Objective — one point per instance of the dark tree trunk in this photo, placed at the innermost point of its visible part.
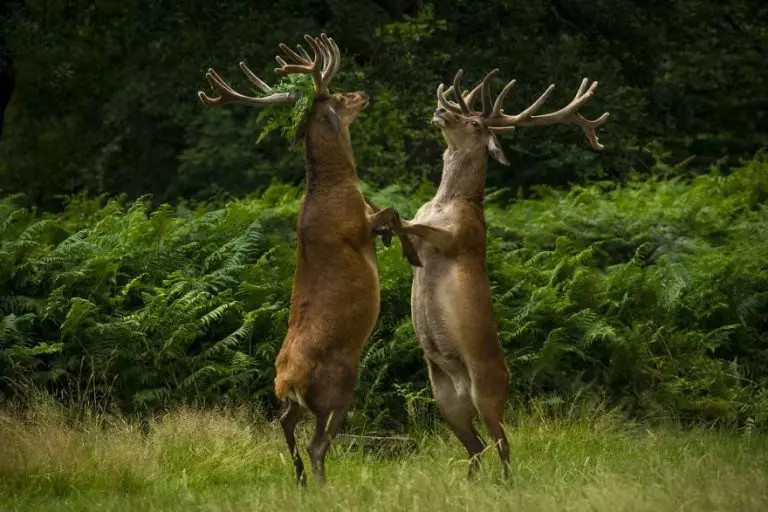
(7, 69)
(321, 12)
(7, 84)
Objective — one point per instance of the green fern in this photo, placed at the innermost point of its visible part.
(287, 118)
(651, 296)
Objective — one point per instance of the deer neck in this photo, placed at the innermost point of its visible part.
(463, 176)
(329, 156)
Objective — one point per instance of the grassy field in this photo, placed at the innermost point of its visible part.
(214, 461)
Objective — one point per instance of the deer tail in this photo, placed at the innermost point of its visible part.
(292, 381)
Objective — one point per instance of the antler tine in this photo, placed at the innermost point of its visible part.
(326, 52)
(443, 100)
(498, 120)
(331, 58)
(316, 51)
(337, 54)
(457, 93)
(305, 60)
(583, 85)
(569, 115)
(525, 114)
(446, 96)
(254, 79)
(228, 95)
(307, 66)
(286, 69)
(304, 54)
(486, 94)
(590, 126)
(469, 98)
(334, 58)
(496, 112)
(576, 103)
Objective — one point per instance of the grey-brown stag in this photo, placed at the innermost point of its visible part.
(451, 301)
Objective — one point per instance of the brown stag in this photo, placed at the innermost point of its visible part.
(451, 302)
(335, 295)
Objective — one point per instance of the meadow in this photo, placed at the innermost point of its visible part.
(234, 459)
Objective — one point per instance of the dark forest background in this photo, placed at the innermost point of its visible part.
(146, 243)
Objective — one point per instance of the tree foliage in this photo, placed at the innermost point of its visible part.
(108, 89)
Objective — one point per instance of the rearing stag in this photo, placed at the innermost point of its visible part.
(335, 295)
(451, 303)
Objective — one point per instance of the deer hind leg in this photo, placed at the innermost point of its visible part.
(288, 421)
(327, 426)
(458, 411)
(490, 404)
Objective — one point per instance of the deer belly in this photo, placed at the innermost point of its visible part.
(437, 314)
(373, 272)
(337, 297)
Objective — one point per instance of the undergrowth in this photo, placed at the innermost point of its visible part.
(650, 296)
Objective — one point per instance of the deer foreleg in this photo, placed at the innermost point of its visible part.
(389, 219)
(384, 231)
(442, 238)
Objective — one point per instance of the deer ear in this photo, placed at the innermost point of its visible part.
(494, 148)
(333, 119)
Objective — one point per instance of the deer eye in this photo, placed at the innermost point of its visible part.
(475, 124)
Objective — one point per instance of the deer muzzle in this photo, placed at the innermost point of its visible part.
(439, 117)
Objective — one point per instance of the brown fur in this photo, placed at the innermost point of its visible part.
(451, 301)
(335, 261)
(335, 297)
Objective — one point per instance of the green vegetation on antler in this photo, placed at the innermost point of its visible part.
(287, 118)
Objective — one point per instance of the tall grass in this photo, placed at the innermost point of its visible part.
(236, 460)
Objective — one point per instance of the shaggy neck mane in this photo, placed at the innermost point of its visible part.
(329, 156)
(463, 175)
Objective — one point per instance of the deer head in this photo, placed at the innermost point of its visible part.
(469, 130)
(337, 110)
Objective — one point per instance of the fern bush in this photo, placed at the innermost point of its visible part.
(654, 295)
(651, 296)
(148, 306)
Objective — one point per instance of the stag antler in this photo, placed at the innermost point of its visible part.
(467, 99)
(497, 121)
(228, 95)
(570, 115)
(324, 48)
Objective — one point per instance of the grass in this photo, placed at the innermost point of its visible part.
(206, 460)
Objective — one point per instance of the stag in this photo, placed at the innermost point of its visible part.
(335, 294)
(451, 305)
